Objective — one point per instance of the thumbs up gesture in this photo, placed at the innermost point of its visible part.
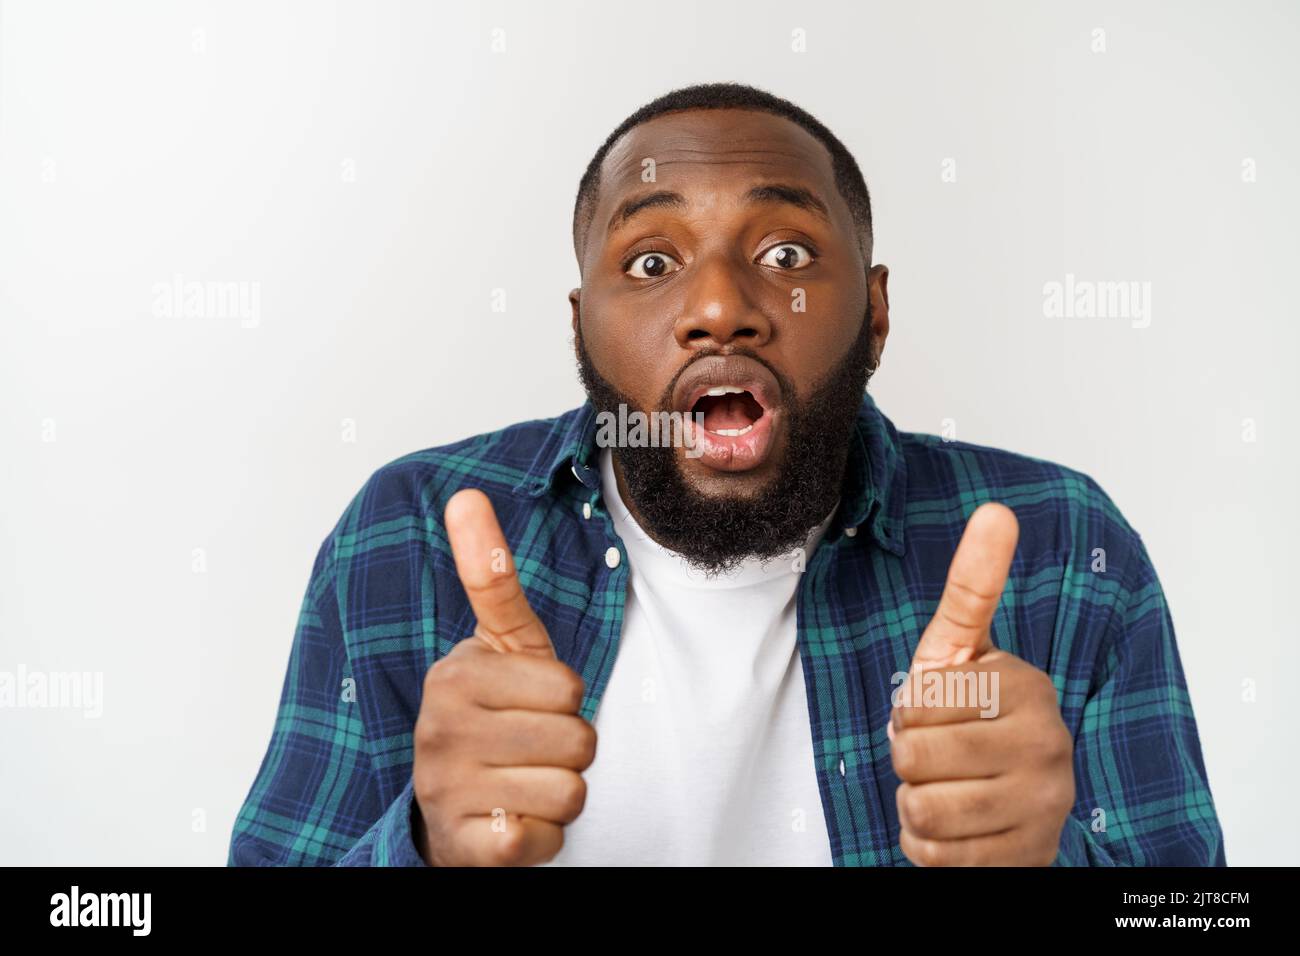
(976, 734)
(498, 741)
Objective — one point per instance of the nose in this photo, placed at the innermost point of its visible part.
(719, 309)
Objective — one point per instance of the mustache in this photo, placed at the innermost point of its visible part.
(666, 397)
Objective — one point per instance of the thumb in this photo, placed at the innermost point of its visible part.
(486, 570)
(959, 630)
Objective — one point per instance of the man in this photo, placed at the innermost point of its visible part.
(793, 635)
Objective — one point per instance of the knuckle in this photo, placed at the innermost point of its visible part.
(908, 715)
(1042, 689)
(498, 586)
(581, 744)
(920, 811)
(434, 733)
(428, 787)
(449, 670)
(554, 851)
(964, 602)
(573, 797)
(572, 687)
(510, 845)
(586, 744)
(906, 754)
(1064, 743)
(431, 678)
(424, 735)
(928, 852)
(1061, 796)
(1045, 745)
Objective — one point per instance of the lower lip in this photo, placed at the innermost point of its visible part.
(732, 452)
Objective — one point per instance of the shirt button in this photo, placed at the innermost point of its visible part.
(612, 557)
(851, 532)
(586, 509)
(841, 766)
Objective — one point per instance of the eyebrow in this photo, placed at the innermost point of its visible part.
(636, 204)
(774, 193)
(791, 196)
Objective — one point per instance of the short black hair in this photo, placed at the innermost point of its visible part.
(716, 96)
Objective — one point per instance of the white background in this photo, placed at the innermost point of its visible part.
(378, 170)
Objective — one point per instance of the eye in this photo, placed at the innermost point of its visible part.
(652, 265)
(788, 255)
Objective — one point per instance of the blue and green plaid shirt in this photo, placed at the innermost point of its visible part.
(384, 603)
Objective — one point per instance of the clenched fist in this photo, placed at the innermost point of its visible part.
(991, 790)
(499, 745)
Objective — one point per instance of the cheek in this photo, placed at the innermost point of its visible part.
(634, 352)
(813, 342)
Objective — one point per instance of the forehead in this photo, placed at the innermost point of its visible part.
(710, 149)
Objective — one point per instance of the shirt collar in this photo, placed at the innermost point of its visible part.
(875, 485)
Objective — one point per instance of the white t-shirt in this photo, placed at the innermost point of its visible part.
(704, 752)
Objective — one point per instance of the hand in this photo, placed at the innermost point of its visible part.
(498, 741)
(980, 790)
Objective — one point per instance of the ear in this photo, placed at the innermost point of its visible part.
(878, 290)
(574, 301)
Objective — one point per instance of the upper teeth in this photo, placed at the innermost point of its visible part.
(724, 390)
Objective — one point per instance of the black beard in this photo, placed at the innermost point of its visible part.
(716, 533)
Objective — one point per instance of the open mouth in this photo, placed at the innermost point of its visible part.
(733, 408)
(728, 410)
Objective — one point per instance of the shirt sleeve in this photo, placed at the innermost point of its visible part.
(317, 800)
(1143, 797)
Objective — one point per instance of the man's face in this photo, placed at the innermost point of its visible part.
(737, 270)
